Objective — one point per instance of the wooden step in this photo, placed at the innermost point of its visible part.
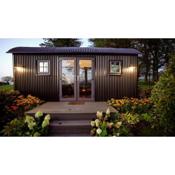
(70, 128)
(73, 116)
(70, 116)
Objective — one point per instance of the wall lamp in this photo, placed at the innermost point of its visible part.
(131, 68)
(19, 68)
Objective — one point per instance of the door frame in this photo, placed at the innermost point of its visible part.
(76, 80)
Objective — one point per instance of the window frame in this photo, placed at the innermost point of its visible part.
(38, 67)
(120, 64)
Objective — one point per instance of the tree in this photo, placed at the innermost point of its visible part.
(112, 42)
(143, 45)
(63, 42)
(161, 49)
(163, 96)
(7, 79)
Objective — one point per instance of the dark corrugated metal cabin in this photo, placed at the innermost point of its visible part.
(75, 74)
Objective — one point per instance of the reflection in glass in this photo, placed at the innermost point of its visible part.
(68, 73)
(85, 78)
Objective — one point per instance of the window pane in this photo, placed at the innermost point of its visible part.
(68, 78)
(41, 69)
(45, 64)
(40, 64)
(46, 69)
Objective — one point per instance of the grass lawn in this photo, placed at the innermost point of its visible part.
(6, 88)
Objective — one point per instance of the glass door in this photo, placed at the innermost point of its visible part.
(76, 79)
(68, 79)
(85, 81)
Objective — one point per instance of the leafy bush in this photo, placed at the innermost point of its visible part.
(144, 88)
(163, 96)
(7, 106)
(122, 124)
(28, 126)
(13, 104)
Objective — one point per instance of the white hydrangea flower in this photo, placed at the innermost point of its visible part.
(99, 131)
(38, 114)
(29, 119)
(31, 125)
(92, 123)
(108, 111)
(36, 134)
(47, 117)
(99, 114)
(118, 134)
(97, 122)
(118, 124)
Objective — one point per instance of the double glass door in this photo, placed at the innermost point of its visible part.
(76, 79)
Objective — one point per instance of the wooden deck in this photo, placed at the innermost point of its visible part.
(71, 107)
(71, 118)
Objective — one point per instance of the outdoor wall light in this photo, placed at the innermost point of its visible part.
(19, 69)
(131, 68)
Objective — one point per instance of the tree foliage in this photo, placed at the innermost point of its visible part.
(60, 42)
(122, 43)
(7, 79)
(163, 96)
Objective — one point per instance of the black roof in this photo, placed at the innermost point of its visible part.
(74, 50)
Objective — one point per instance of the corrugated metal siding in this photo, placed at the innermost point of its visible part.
(29, 82)
(47, 87)
(115, 86)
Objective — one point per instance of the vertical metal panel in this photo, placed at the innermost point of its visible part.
(115, 86)
(47, 86)
(29, 82)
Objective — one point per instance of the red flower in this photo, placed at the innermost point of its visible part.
(14, 108)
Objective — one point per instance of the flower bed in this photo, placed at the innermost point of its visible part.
(133, 105)
(134, 117)
(13, 104)
(122, 124)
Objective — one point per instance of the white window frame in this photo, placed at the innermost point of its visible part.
(120, 67)
(38, 67)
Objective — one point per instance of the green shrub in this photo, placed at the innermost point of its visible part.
(28, 126)
(6, 105)
(163, 96)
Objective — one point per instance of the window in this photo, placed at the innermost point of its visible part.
(43, 67)
(115, 67)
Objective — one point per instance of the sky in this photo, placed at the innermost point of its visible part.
(6, 67)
